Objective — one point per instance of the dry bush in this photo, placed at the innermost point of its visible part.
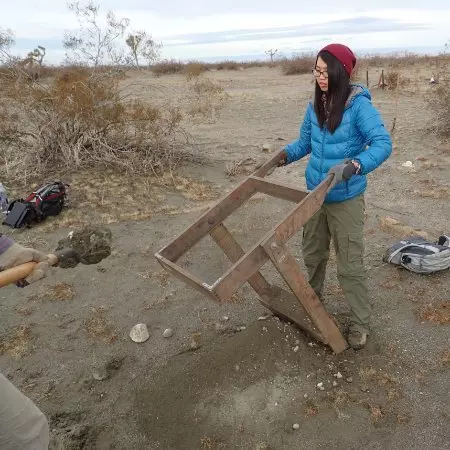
(227, 65)
(438, 101)
(395, 80)
(194, 69)
(78, 119)
(299, 65)
(205, 97)
(167, 67)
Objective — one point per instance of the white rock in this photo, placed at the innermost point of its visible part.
(338, 375)
(320, 386)
(408, 164)
(225, 318)
(296, 426)
(335, 383)
(296, 349)
(267, 147)
(139, 333)
(168, 332)
(263, 317)
(305, 395)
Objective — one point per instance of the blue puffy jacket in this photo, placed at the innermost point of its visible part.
(361, 136)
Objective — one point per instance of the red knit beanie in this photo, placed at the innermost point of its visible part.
(343, 54)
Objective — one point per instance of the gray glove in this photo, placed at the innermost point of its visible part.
(342, 172)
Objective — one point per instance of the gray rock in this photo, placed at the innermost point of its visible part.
(296, 426)
(100, 374)
(168, 333)
(139, 333)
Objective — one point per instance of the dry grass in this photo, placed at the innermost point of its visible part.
(99, 328)
(208, 443)
(299, 65)
(438, 314)
(446, 357)
(59, 292)
(395, 80)
(239, 167)
(167, 67)
(18, 343)
(380, 377)
(162, 277)
(376, 413)
(205, 98)
(194, 69)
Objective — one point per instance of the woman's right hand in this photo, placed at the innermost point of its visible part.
(283, 159)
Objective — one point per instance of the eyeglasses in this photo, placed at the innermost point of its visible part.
(317, 73)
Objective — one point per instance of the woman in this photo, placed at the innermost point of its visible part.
(344, 134)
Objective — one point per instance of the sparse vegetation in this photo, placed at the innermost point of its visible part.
(439, 314)
(299, 65)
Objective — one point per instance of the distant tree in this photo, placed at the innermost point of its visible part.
(37, 55)
(93, 44)
(6, 42)
(141, 45)
(271, 53)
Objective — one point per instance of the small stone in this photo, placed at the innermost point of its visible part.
(237, 368)
(263, 317)
(311, 344)
(338, 375)
(305, 395)
(335, 383)
(225, 318)
(139, 333)
(296, 426)
(267, 147)
(364, 388)
(100, 374)
(264, 328)
(297, 342)
(195, 343)
(349, 380)
(168, 332)
(242, 328)
(320, 386)
(296, 349)
(408, 164)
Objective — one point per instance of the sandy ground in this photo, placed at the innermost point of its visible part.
(65, 341)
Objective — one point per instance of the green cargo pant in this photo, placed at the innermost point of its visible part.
(344, 222)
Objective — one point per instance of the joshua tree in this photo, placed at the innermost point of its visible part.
(271, 53)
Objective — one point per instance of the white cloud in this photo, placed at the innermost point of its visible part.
(45, 22)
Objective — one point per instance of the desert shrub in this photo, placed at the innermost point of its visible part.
(205, 97)
(438, 101)
(194, 69)
(395, 80)
(227, 65)
(298, 65)
(167, 67)
(81, 119)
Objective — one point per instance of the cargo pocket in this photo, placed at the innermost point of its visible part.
(355, 248)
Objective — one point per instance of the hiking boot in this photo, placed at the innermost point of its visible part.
(356, 338)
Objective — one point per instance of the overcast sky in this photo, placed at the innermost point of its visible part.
(190, 29)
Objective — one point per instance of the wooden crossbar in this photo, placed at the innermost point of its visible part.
(302, 306)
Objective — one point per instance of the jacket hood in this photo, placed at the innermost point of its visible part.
(356, 91)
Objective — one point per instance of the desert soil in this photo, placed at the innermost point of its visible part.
(65, 340)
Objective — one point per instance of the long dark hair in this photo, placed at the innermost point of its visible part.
(338, 92)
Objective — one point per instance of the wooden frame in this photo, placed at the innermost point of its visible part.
(302, 306)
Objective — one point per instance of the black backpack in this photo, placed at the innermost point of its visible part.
(48, 200)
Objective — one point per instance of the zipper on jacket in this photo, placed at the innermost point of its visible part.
(324, 132)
